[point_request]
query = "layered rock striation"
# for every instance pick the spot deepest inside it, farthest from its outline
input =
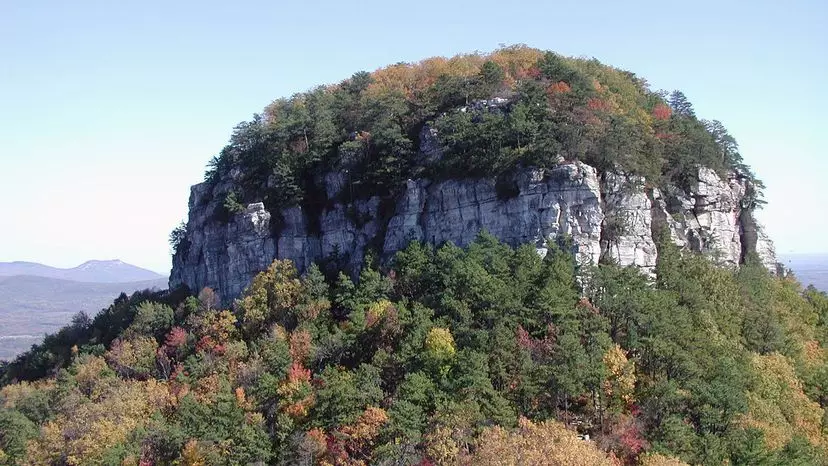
(608, 216)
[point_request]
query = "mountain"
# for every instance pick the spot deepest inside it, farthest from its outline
(32, 306)
(532, 148)
(94, 271)
(472, 260)
(37, 299)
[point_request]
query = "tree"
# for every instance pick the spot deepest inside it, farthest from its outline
(777, 405)
(222, 426)
(547, 443)
(358, 82)
(178, 238)
(133, 357)
(728, 147)
(345, 394)
(15, 431)
(620, 384)
(270, 298)
(86, 431)
(232, 204)
(151, 319)
(680, 105)
(491, 76)
(662, 112)
(439, 344)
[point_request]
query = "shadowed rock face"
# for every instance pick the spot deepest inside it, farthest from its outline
(607, 215)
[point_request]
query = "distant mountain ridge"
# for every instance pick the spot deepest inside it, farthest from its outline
(32, 306)
(93, 271)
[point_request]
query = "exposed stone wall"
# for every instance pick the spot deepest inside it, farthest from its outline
(609, 215)
(627, 231)
(225, 256)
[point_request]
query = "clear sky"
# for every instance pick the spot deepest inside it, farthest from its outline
(110, 110)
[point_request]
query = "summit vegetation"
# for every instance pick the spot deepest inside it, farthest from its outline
(490, 113)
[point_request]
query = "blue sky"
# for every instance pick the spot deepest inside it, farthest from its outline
(109, 111)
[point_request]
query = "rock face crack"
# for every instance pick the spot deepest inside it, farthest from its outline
(610, 215)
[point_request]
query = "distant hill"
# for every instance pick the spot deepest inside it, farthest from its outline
(95, 271)
(31, 306)
(809, 269)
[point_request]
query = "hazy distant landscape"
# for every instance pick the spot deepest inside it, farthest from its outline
(809, 269)
(111, 271)
(31, 305)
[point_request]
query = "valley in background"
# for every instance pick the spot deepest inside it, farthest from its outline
(36, 299)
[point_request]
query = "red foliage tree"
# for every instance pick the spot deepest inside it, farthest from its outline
(598, 105)
(662, 112)
(625, 437)
(177, 337)
(559, 87)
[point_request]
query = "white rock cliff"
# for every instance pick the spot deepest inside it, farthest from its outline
(609, 215)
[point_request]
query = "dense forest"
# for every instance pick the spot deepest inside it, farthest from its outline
(488, 355)
(443, 355)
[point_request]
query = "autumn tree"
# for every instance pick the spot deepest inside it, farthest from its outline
(270, 298)
(546, 443)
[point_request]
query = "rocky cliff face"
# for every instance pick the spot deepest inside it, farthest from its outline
(609, 215)
(627, 231)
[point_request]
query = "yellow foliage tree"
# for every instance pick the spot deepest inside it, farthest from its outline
(272, 294)
(12, 395)
(518, 61)
(413, 79)
(655, 459)
(81, 434)
(439, 344)
(92, 375)
(439, 349)
(777, 405)
(441, 446)
(376, 311)
(134, 357)
(547, 443)
(195, 453)
(207, 389)
(620, 382)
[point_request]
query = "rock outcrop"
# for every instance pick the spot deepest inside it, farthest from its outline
(627, 231)
(564, 200)
(610, 215)
(709, 216)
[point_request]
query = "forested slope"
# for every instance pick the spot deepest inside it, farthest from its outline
(450, 356)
